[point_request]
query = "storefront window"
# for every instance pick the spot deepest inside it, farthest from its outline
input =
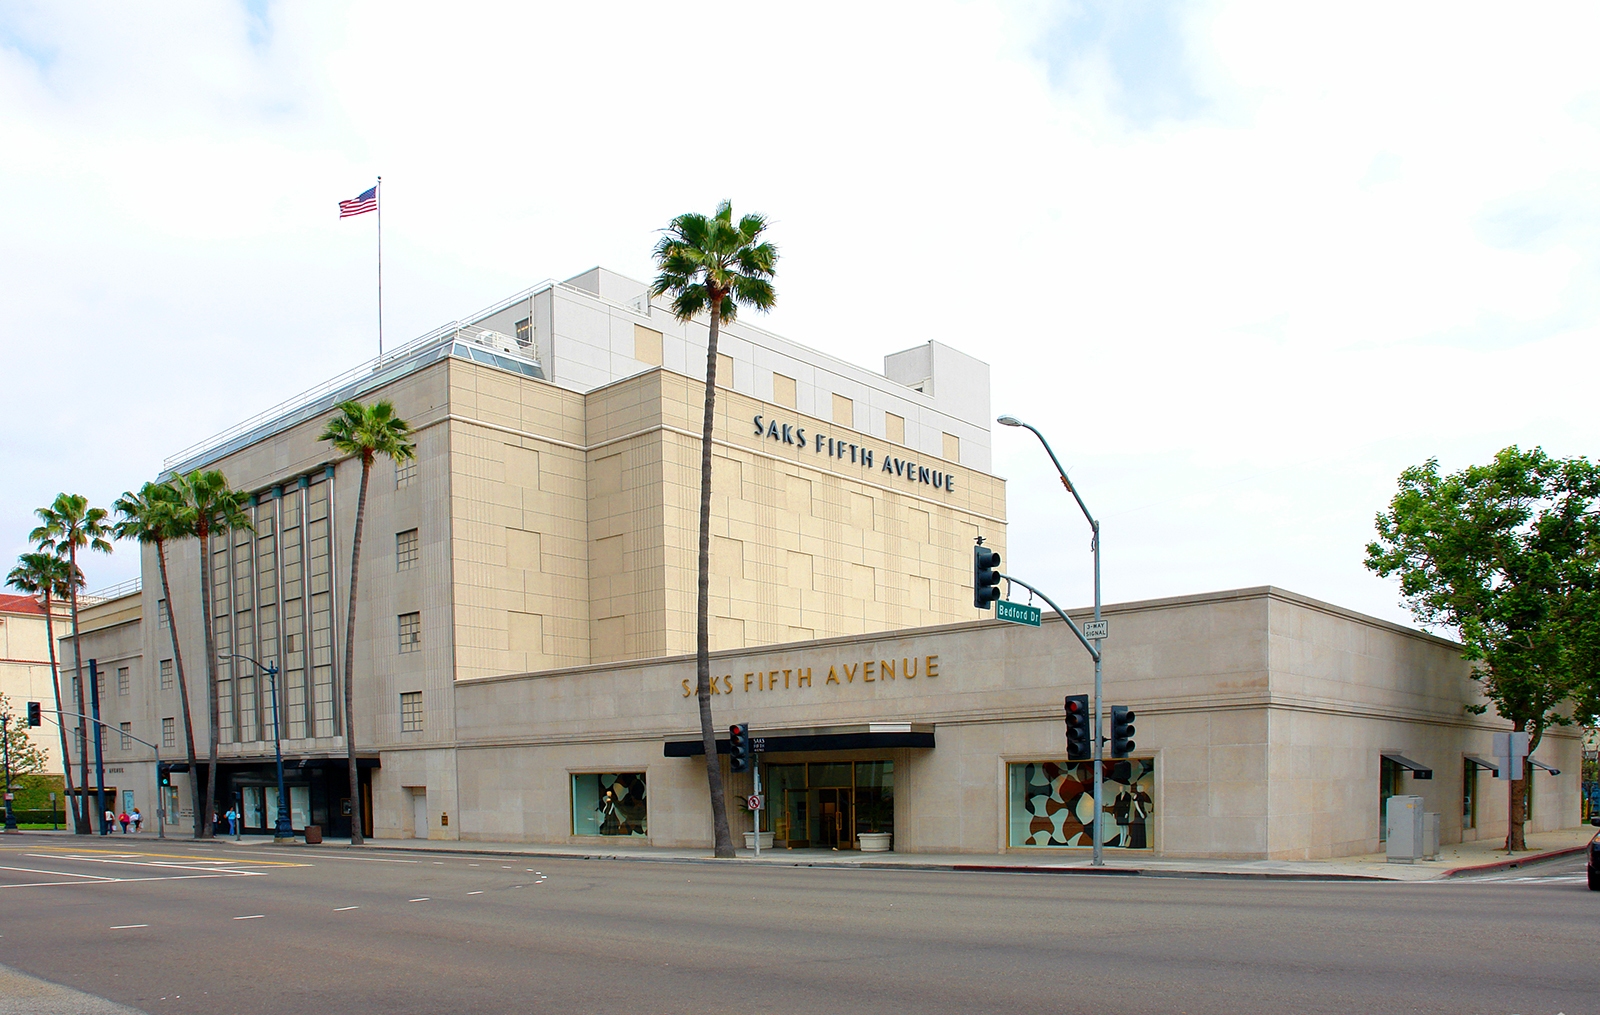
(1052, 803)
(609, 804)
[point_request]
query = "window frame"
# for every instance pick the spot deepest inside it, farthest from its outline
(414, 642)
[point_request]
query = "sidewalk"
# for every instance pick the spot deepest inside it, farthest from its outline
(1454, 860)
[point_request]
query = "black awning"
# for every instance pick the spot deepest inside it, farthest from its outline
(863, 736)
(1418, 771)
(1488, 766)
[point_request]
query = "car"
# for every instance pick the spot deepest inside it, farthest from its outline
(1594, 858)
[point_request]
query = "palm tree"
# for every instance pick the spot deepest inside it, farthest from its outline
(155, 516)
(70, 524)
(366, 431)
(209, 506)
(49, 578)
(710, 266)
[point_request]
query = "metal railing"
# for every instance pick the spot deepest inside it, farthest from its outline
(110, 592)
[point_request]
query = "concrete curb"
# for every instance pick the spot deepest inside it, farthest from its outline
(1511, 863)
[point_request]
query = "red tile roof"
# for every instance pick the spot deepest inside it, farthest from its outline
(20, 604)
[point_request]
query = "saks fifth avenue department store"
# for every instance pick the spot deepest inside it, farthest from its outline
(524, 647)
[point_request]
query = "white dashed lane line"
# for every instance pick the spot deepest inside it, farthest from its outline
(130, 926)
(474, 893)
(257, 916)
(346, 909)
(423, 899)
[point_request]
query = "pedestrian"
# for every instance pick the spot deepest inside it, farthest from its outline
(138, 819)
(110, 820)
(233, 821)
(124, 820)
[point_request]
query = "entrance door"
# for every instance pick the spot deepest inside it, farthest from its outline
(419, 813)
(793, 821)
(836, 820)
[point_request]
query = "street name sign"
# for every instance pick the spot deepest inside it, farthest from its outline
(1017, 613)
(1093, 629)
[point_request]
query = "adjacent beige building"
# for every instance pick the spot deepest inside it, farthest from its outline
(525, 634)
(25, 667)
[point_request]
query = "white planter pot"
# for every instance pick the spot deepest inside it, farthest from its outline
(875, 842)
(750, 840)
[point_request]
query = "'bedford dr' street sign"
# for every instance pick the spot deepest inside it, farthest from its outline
(1017, 613)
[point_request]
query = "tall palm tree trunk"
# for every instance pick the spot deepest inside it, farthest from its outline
(356, 837)
(55, 685)
(204, 829)
(702, 635)
(84, 825)
(183, 683)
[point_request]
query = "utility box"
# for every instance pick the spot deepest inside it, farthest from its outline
(1430, 835)
(1403, 828)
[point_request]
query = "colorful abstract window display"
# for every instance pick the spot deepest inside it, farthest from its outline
(1052, 803)
(609, 804)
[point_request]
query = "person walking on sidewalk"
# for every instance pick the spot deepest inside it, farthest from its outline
(124, 819)
(110, 821)
(138, 819)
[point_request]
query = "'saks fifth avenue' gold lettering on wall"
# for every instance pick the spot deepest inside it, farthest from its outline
(867, 671)
(861, 455)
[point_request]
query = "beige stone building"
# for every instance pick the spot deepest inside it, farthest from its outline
(527, 621)
(25, 667)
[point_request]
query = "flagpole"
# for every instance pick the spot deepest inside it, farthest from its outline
(379, 202)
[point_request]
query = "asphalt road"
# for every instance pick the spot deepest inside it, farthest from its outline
(188, 927)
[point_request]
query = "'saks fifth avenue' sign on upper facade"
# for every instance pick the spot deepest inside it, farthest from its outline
(909, 471)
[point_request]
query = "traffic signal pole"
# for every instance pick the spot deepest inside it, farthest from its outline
(1094, 525)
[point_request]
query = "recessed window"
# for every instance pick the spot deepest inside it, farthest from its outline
(410, 632)
(127, 741)
(611, 803)
(405, 473)
(1046, 798)
(1469, 794)
(411, 712)
(724, 370)
(122, 681)
(783, 390)
(166, 674)
(894, 428)
(405, 550)
(169, 732)
(844, 411)
(952, 448)
(525, 332)
(162, 617)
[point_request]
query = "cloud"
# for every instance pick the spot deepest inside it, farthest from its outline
(1243, 262)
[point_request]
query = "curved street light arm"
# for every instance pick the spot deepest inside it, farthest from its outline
(1093, 652)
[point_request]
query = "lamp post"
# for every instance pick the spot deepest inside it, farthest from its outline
(1099, 814)
(5, 736)
(284, 830)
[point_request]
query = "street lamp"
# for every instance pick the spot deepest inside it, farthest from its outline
(1099, 814)
(284, 832)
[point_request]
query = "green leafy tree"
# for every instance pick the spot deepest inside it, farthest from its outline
(366, 432)
(208, 507)
(48, 579)
(68, 525)
(711, 266)
(27, 757)
(1507, 556)
(155, 516)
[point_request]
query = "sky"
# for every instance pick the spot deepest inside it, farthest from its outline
(1242, 263)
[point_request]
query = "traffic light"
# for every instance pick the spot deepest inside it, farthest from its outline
(739, 747)
(1121, 731)
(165, 773)
(1078, 727)
(34, 718)
(985, 579)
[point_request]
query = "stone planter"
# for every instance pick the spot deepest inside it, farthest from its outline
(875, 842)
(750, 840)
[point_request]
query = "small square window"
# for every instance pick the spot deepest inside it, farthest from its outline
(166, 674)
(411, 712)
(169, 732)
(410, 632)
(405, 473)
(122, 681)
(405, 550)
(127, 741)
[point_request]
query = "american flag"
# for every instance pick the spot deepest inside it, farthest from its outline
(368, 201)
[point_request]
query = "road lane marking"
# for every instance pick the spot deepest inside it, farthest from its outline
(257, 916)
(59, 874)
(130, 926)
(346, 909)
(424, 899)
(474, 893)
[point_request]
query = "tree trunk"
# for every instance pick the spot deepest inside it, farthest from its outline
(722, 838)
(183, 683)
(55, 685)
(356, 838)
(84, 825)
(204, 827)
(1518, 800)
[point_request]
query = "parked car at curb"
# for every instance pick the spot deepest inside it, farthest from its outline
(1594, 858)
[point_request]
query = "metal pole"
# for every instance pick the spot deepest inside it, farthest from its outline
(5, 735)
(99, 746)
(161, 799)
(379, 202)
(756, 768)
(285, 829)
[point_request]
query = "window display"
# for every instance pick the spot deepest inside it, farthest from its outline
(609, 803)
(1052, 803)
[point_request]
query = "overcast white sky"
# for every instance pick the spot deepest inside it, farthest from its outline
(1241, 262)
